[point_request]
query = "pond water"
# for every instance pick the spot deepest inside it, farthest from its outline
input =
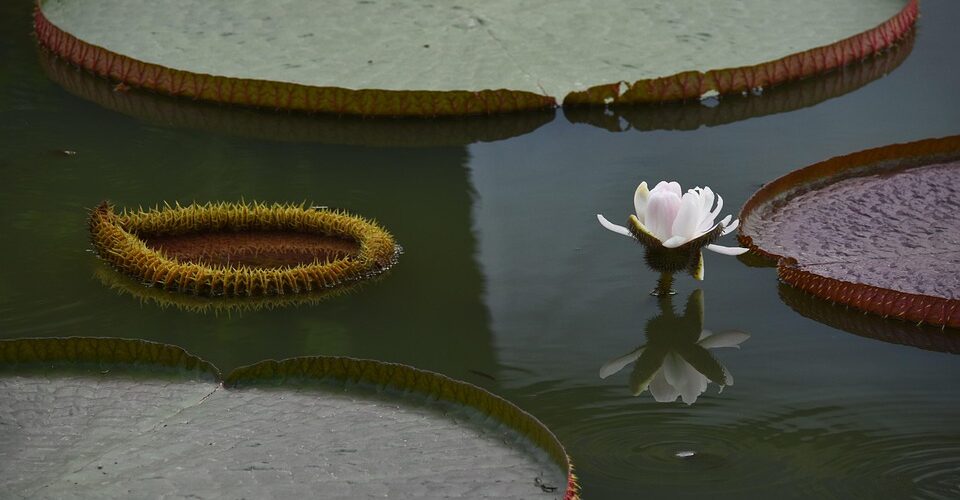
(507, 281)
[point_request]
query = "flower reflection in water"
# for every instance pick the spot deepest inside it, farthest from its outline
(676, 361)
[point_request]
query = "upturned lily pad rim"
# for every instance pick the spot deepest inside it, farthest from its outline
(376, 102)
(694, 84)
(115, 238)
(885, 302)
(788, 97)
(27, 353)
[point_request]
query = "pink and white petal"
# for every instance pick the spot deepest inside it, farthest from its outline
(727, 229)
(716, 211)
(706, 225)
(724, 221)
(706, 203)
(613, 227)
(707, 230)
(635, 222)
(688, 217)
(670, 187)
(675, 241)
(708, 198)
(640, 200)
(727, 338)
(662, 209)
(727, 250)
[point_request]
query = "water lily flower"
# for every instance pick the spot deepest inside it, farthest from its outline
(675, 362)
(675, 226)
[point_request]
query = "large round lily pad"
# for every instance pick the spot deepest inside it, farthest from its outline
(428, 58)
(111, 418)
(877, 230)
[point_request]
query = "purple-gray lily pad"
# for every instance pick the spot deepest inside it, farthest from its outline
(878, 230)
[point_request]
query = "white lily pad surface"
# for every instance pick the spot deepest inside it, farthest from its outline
(102, 430)
(547, 47)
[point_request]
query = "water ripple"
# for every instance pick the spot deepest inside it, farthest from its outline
(718, 449)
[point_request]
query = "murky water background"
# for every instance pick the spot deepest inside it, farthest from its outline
(507, 280)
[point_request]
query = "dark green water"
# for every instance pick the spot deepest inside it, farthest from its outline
(507, 280)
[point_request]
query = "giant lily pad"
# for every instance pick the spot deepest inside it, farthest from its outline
(424, 58)
(119, 418)
(877, 230)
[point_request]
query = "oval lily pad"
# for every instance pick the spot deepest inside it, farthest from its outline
(242, 249)
(877, 230)
(424, 58)
(114, 418)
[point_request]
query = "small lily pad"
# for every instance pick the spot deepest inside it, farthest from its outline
(878, 230)
(427, 58)
(111, 418)
(242, 249)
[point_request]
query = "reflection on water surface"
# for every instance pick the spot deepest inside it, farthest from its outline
(675, 361)
(930, 337)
